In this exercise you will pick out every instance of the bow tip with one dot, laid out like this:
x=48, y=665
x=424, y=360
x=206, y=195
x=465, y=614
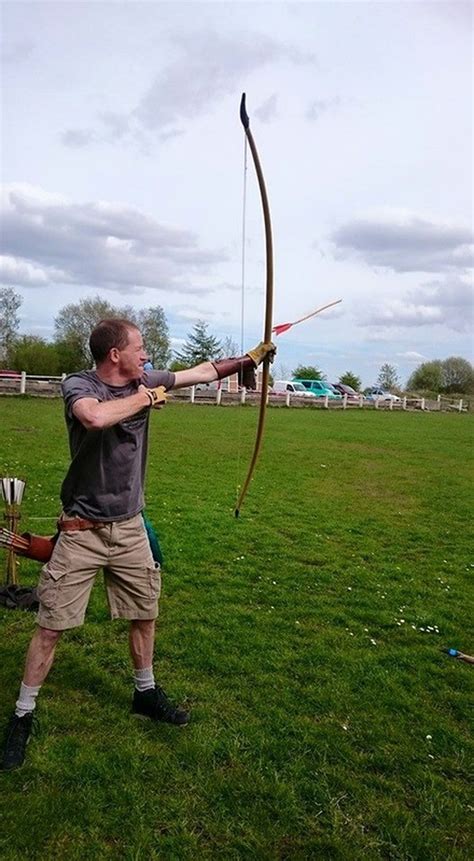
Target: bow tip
x=237, y=512
x=244, y=117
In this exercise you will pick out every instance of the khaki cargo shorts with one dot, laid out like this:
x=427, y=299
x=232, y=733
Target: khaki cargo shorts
x=132, y=577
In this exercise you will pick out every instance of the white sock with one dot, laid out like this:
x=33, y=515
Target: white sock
x=144, y=679
x=26, y=701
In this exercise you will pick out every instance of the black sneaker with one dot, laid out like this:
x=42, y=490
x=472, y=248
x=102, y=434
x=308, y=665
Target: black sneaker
x=17, y=737
x=155, y=704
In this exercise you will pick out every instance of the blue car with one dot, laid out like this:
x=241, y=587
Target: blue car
x=320, y=389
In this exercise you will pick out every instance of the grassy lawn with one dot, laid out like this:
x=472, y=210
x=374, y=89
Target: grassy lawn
x=306, y=636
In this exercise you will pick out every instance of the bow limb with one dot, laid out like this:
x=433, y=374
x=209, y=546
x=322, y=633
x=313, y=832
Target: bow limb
x=267, y=333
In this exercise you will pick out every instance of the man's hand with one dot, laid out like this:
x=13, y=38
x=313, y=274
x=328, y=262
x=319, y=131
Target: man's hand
x=157, y=396
x=261, y=352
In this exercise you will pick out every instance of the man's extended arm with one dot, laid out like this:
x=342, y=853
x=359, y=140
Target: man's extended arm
x=244, y=366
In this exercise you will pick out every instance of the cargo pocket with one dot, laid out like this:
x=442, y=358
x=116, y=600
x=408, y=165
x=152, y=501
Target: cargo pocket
x=155, y=581
x=50, y=584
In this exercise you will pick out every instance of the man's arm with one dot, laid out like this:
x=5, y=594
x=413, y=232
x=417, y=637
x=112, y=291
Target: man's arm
x=207, y=372
x=97, y=415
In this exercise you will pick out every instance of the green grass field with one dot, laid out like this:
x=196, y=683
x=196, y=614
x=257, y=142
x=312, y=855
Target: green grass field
x=306, y=636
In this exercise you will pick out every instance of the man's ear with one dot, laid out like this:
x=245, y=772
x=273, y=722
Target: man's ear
x=114, y=355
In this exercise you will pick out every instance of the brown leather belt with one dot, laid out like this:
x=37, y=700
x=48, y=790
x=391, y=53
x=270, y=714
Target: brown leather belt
x=77, y=523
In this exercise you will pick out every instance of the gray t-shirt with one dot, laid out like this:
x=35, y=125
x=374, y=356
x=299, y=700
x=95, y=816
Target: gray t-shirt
x=107, y=471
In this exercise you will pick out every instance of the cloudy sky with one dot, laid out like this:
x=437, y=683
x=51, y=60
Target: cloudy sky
x=123, y=170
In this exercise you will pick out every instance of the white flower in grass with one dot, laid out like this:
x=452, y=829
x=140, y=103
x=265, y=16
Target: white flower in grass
x=374, y=642
x=428, y=737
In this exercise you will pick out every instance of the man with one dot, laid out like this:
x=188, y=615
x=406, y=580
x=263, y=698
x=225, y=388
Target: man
x=107, y=415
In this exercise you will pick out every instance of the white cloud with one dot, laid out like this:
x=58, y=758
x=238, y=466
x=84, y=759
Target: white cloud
x=20, y=272
x=101, y=244
x=448, y=302
x=406, y=242
x=208, y=67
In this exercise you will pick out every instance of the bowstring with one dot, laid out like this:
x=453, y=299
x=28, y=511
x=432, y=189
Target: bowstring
x=242, y=308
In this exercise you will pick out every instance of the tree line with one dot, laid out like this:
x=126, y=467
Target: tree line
x=453, y=375
x=68, y=351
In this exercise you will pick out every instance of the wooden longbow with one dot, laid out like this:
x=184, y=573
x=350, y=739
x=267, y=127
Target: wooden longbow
x=267, y=332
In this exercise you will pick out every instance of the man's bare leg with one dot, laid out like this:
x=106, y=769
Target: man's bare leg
x=40, y=655
x=149, y=700
x=38, y=664
x=142, y=641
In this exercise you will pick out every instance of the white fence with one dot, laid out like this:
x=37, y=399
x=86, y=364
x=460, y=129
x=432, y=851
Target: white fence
x=47, y=386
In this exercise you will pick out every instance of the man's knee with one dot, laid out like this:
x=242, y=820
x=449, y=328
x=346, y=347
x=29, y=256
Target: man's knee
x=48, y=636
x=144, y=625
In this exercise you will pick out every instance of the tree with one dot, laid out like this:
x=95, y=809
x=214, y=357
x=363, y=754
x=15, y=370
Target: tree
x=388, y=377
x=70, y=356
x=230, y=347
x=350, y=379
x=427, y=377
x=446, y=376
x=34, y=355
x=75, y=322
x=154, y=328
x=199, y=347
x=308, y=372
x=9, y=319
x=458, y=375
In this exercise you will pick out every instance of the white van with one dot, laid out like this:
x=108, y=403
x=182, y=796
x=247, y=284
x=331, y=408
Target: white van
x=281, y=387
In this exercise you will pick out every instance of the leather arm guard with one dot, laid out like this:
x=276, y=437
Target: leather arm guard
x=244, y=367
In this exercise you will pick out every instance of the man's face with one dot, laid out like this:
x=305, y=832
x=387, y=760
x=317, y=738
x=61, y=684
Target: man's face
x=132, y=358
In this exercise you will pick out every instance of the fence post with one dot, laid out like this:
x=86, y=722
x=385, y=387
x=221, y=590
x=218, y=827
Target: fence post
x=288, y=399
x=63, y=376
x=193, y=391
x=422, y=403
x=243, y=392
x=390, y=406
x=376, y=403
x=361, y=400
x=344, y=401
x=219, y=396
x=326, y=402
x=404, y=404
x=439, y=402
x=460, y=406
x=23, y=383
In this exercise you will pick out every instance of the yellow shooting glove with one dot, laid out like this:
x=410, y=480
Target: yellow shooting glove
x=157, y=396
x=261, y=352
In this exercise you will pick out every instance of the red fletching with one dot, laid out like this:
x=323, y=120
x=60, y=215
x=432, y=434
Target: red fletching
x=283, y=327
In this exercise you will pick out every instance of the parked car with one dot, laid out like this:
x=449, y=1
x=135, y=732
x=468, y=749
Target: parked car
x=320, y=388
x=377, y=394
x=15, y=375
x=281, y=387
x=351, y=393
